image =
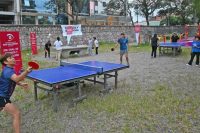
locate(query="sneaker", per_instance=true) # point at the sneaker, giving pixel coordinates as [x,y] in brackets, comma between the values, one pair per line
[197,65]
[188,65]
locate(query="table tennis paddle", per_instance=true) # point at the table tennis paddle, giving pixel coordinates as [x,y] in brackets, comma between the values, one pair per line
[112,49]
[33,64]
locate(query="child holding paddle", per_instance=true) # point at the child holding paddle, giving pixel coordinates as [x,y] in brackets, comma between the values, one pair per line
[47,48]
[8,81]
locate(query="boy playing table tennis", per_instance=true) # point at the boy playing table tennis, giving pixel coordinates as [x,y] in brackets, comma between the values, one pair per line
[8,81]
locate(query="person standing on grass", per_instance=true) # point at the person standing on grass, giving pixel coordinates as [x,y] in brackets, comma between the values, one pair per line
[154,45]
[96,43]
[47,48]
[123,42]
[8,81]
[58,45]
[90,45]
[195,51]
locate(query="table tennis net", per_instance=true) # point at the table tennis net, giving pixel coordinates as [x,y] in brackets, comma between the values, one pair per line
[82,66]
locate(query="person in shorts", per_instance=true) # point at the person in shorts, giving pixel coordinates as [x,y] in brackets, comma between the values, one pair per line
[123,42]
[8,81]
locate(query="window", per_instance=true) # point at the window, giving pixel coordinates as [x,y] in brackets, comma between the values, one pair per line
[39,6]
[45,20]
[104,4]
[28,19]
[96,3]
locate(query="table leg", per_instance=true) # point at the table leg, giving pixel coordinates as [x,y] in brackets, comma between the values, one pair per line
[174,51]
[95,79]
[80,95]
[79,89]
[35,91]
[105,81]
[116,78]
[55,101]
[159,50]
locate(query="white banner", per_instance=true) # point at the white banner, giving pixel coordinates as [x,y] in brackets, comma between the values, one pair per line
[71,30]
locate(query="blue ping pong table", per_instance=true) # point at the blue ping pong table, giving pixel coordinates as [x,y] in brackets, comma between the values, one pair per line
[54,80]
[165,46]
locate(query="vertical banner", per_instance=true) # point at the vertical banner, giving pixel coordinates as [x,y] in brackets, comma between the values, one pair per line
[10,43]
[198,29]
[137,30]
[33,43]
[71,30]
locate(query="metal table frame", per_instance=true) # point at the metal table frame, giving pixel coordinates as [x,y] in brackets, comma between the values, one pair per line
[54,89]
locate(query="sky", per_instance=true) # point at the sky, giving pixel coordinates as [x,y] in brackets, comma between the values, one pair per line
[140,18]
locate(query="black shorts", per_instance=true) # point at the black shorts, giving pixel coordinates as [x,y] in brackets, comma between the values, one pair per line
[4,101]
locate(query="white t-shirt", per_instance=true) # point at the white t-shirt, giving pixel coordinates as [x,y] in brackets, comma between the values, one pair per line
[96,43]
[58,44]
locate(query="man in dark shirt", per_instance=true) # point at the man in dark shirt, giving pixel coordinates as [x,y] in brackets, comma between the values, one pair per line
[47,49]
[154,44]
[174,39]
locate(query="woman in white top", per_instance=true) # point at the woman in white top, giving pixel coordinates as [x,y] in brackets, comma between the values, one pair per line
[96,43]
[58,45]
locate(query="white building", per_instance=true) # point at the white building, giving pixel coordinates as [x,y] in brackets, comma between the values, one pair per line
[27,12]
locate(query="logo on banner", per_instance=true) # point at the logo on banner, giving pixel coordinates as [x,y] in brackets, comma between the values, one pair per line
[69,30]
[10,37]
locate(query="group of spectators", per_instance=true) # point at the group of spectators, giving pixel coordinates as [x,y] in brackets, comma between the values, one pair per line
[92,43]
[195,50]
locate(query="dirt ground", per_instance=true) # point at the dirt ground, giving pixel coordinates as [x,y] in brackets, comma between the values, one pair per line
[147,71]
[144,71]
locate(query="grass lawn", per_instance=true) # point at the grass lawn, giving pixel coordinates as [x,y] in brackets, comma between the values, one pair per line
[160,110]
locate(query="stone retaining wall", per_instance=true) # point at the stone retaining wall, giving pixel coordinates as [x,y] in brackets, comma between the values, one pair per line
[103,33]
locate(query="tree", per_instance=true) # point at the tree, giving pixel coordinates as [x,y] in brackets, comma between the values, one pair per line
[181,8]
[119,7]
[75,7]
[147,7]
[196,5]
[174,20]
[70,7]
[59,7]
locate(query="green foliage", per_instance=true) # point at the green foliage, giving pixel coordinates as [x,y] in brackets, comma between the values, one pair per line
[196,5]
[175,20]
